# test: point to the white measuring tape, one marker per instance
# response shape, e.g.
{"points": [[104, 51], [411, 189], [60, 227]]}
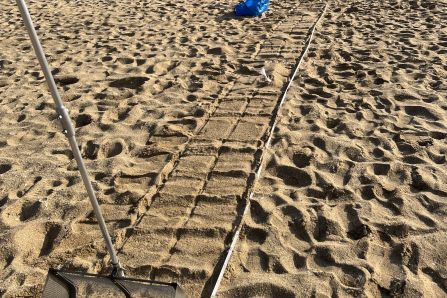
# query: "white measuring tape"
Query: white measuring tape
{"points": [[258, 172]]}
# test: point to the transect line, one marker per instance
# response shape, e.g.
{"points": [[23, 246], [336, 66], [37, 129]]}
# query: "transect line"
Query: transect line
{"points": [[258, 172]]}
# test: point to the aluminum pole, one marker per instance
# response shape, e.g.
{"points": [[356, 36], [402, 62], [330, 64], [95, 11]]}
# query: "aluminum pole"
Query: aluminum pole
{"points": [[70, 134]]}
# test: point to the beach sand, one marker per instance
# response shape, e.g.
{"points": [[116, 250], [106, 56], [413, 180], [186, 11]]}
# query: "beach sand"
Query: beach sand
{"points": [[352, 201], [172, 115]]}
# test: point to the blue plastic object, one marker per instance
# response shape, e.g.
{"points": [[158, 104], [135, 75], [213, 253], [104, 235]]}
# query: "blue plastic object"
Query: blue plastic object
{"points": [[251, 8]]}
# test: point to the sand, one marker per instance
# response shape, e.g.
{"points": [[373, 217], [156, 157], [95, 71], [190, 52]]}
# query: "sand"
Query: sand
{"points": [[172, 115], [353, 198]]}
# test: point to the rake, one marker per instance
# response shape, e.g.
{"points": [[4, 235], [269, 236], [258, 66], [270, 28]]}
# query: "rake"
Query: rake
{"points": [[61, 283]]}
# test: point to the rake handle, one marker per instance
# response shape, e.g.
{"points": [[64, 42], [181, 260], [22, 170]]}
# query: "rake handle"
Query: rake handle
{"points": [[69, 133]]}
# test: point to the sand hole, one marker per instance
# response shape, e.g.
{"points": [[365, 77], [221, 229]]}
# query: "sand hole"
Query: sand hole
{"points": [[332, 123], [381, 169], [354, 154], [322, 228], [100, 176], [124, 114], [125, 60], [256, 235], [66, 152], [83, 120], [66, 80], [5, 168], [29, 210], [8, 260], [141, 61], [299, 261], [420, 111], [215, 51], [21, 118], [72, 180], [199, 112], [111, 149], [413, 159], [130, 82], [3, 201], [368, 192], [100, 96], [379, 81], [301, 160], [293, 176], [406, 148], [57, 183], [377, 152], [296, 222], [359, 231], [320, 143], [352, 276], [50, 237], [426, 220], [277, 267], [191, 97], [258, 214], [438, 135], [91, 150], [40, 106]]}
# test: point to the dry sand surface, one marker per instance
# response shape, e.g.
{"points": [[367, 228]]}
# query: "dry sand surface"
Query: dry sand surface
{"points": [[171, 113], [172, 116], [353, 198]]}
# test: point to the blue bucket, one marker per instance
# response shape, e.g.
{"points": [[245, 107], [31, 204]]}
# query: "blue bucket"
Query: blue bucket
{"points": [[251, 8]]}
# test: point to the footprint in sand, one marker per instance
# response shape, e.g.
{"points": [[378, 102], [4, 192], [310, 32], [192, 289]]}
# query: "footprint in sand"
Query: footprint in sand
{"points": [[129, 82], [29, 210], [83, 120], [66, 80], [111, 149]]}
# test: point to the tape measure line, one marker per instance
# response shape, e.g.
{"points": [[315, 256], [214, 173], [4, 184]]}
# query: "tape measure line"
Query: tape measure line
{"points": [[267, 144]]}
